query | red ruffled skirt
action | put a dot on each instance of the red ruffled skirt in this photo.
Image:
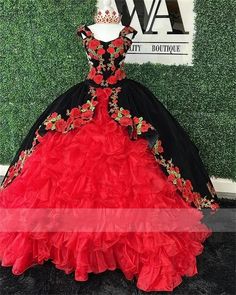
(98, 166)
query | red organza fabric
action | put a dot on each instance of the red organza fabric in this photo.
(98, 166)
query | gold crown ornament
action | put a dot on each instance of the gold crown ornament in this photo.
(111, 17)
(107, 14)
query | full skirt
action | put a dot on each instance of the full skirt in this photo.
(98, 166)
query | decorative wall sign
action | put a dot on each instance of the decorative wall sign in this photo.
(165, 30)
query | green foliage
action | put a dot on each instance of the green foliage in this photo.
(41, 57)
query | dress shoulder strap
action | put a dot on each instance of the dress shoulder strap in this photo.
(127, 30)
(83, 30)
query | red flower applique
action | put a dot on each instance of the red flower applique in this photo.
(61, 125)
(112, 80)
(125, 121)
(118, 42)
(101, 51)
(93, 44)
(98, 79)
(111, 50)
(75, 112)
(92, 73)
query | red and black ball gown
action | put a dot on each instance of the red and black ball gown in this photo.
(108, 142)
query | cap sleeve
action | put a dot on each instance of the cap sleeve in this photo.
(129, 30)
(133, 31)
(82, 31)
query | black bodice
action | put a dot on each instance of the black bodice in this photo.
(106, 59)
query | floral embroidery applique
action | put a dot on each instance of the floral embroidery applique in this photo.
(76, 118)
(123, 116)
(15, 169)
(184, 186)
